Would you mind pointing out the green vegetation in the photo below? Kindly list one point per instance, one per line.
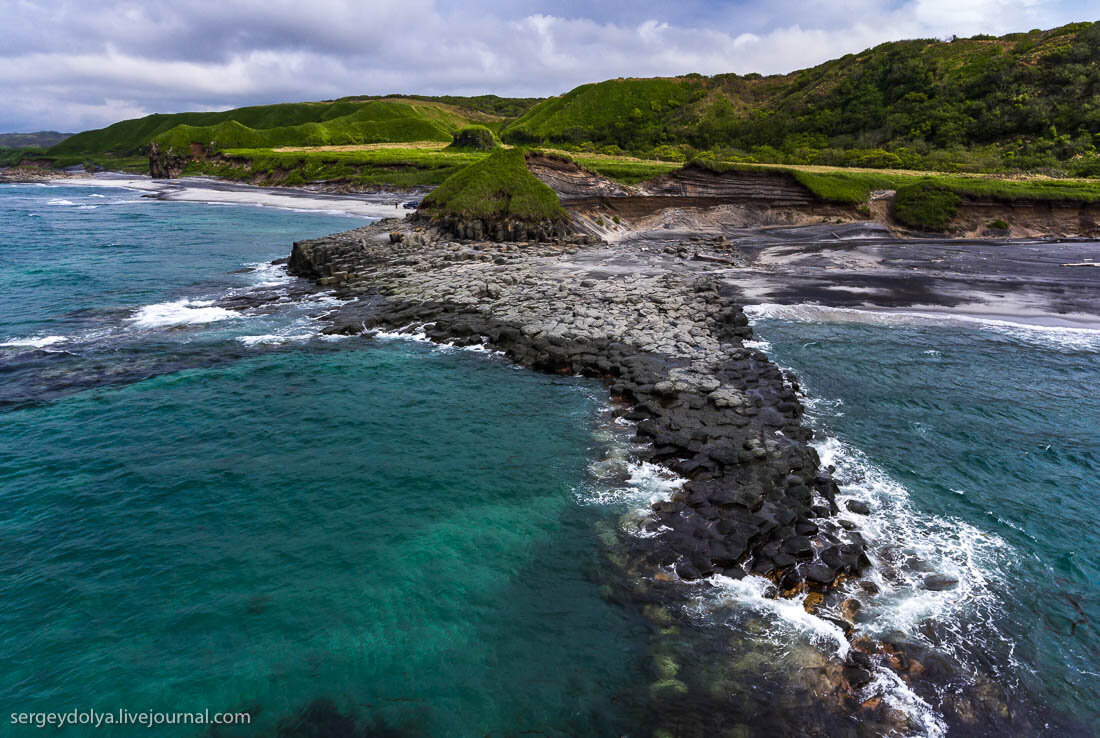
(926, 205)
(13, 156)
(389, 167)
(627, 171)
(497, 187)
(506, 107)
(289, 124)
(9, 157)
(39, 139)
(474, 138)
(926, 202)
(1022, 102)
(373, 122)
(997, 224)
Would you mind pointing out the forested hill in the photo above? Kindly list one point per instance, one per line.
(1025, 100)
(1021, 102)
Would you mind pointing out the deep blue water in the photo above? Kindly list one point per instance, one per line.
(977, 442)
(213, 507)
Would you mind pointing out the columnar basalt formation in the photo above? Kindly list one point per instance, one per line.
(671, 347)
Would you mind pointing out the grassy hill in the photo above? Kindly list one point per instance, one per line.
(1023, 101)
(37, 139)
(288, 124)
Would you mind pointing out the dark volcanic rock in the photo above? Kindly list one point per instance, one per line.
(857, 507)
(671, 349)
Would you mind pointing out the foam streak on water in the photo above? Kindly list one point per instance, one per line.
(1056, 337)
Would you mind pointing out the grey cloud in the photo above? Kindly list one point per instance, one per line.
(78, 65)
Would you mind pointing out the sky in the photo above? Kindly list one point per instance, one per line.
(74, 65)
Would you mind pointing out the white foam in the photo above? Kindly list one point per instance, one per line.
(897, 694)
(905, 546)
(759, 344)
(273, 339)
(86, 207)
(34, 341)
(624, 480)
(267, 274)
(787, 616)
(58, 201)
(1057, 337)
(180, 312)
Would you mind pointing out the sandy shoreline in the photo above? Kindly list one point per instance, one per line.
(857, 266)
(213, 191)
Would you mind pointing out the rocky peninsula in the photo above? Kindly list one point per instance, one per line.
(661, 325)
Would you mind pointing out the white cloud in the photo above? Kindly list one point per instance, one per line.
(72, 65)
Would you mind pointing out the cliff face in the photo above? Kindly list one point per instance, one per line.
(690, 187)
(166, 163)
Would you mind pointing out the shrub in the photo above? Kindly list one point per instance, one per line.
(474, 138)
(925, 205)
(997, 224)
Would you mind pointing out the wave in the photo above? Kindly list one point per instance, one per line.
(59, 201)
(1055, 337)
(266, 274)
(34, 341)
(274, 339)
(180, 312)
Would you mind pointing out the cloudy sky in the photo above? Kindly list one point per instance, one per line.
(71, 65)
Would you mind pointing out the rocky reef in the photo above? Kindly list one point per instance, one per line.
(755, 506)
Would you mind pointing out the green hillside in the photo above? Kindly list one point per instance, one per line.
(289, 124)
(1022, 101)
(27, 140)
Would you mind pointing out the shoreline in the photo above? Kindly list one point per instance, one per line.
(859, 266)
(217, 192)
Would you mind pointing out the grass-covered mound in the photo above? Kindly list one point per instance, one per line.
(474, 138)
(496, 188)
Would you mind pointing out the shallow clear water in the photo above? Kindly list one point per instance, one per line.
(976, 443)
(214, 507)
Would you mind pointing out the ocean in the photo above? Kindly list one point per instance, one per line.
(207, 504)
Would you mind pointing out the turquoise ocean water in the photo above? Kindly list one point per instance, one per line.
(203, 507)
(205, 504)
(977, 443)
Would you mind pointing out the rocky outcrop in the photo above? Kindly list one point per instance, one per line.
(575, 185)
(508, 230)
(166, 163)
